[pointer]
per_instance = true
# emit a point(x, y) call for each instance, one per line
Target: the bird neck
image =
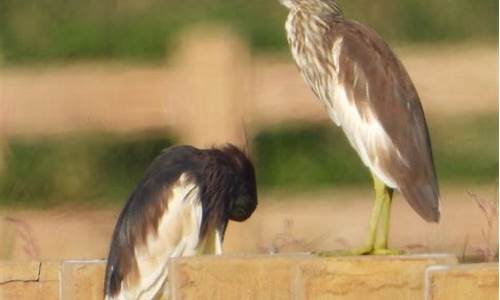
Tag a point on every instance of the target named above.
point(302, 26)
point(309, 38)
point(216, 189)
point(321, 8)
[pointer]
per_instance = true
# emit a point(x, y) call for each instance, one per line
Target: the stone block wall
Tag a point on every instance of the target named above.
point(294, 276)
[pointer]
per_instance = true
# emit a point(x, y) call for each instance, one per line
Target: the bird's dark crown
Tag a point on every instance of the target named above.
point(230, 178)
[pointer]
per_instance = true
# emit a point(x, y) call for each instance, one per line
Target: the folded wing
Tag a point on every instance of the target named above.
point(158, 222)
point(383, 117)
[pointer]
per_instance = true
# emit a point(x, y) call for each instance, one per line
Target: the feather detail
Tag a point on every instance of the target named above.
point(180, 208)
point(367, 91)
point(177, 234)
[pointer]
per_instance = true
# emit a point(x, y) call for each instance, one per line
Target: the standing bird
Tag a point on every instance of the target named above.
point(180, 208)
point(368, 93)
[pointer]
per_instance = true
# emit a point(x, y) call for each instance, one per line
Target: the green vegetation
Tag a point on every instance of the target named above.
point(314, 156)
point(467, 150)
point(307, 156)
point(57, 30)
point(104, 168)
point(86, 168)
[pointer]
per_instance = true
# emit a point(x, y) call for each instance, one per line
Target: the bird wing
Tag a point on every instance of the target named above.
point(169, 226)
point(379, 109)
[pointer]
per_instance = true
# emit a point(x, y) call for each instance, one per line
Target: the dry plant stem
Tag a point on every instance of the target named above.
point(489, 208)
point(25, 232)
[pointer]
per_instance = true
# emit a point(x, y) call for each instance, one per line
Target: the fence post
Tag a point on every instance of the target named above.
point(3, 121)
point(212, 84)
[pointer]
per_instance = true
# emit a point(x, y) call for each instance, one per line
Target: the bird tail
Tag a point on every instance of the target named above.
point(423, 197)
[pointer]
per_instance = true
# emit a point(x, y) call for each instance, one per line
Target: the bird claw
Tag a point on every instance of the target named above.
point(358, 252)
point(331, 253)
point(385, 251)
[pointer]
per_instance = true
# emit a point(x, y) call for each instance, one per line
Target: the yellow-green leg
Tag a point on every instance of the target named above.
point(378, 231)
point(381, 246)
point(384, 221)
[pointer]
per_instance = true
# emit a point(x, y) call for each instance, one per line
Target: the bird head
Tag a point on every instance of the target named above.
point(290, 4)
point(243, 195)
point(312, 6)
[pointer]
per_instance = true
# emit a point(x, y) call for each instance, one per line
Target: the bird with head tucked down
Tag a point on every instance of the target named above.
point(181, 207)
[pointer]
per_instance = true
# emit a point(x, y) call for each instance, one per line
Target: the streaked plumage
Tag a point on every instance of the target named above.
point(180, 208)
point(368, 93)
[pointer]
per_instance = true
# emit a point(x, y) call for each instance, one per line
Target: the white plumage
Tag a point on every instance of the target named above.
point(364, 132)
point(178, 235)
point(368, 93)
point(180, 208)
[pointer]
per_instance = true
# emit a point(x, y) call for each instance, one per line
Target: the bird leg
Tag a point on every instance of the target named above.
point(384, 220)
point(384, 226)
point(378, 208)
point(368, 248)
point(378, 232)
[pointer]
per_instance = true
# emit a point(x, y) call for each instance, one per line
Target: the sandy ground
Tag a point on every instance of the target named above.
point(283, 222)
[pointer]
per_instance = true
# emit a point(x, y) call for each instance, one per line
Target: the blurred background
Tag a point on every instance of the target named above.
point(91, 91)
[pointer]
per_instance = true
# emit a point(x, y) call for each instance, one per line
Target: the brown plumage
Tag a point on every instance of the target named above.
point(180, 208)
point(368, 93)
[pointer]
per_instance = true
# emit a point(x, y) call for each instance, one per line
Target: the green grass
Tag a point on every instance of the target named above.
point(104, 168)
point(86, 168)
point(315, 156)
point(308, 156)
point(57, 30)
point(467, 150)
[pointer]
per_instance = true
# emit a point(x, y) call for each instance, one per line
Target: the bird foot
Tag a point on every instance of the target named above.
point(359, 251)
point(386, 251)
point(347, 252)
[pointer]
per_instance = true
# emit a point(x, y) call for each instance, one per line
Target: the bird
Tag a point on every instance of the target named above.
point(368, 93)
point(181, 207)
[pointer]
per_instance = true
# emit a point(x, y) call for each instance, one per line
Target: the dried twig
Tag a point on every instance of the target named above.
point(489, 250)
point(25, 232)
point(286, 240)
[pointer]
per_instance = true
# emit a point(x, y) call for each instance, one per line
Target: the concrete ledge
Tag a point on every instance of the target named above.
point(301, 277)
point(469, 281)
point(50, 270)
point(376, 277)
point(29, 280)
point(294, 276)
point(19, 271)
point(82, 279)
point(234, 277)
